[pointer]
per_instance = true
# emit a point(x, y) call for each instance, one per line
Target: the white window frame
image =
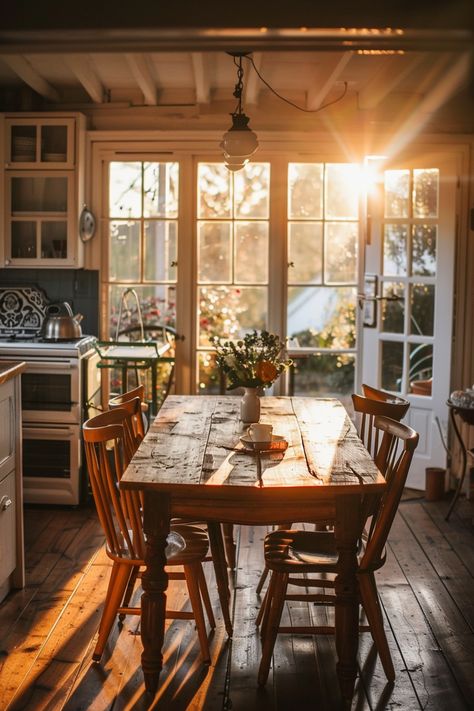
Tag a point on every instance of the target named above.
point(189, 149)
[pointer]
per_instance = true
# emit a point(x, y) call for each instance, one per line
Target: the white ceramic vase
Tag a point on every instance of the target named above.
point(250, 406)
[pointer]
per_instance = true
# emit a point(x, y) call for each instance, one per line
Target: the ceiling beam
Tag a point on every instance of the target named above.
point(393, 70)
point(23, 69)
point(140, 68)
point(85, 73)
point(70, 37)
point(325, 79)
point(202, 82)
point(252, 83)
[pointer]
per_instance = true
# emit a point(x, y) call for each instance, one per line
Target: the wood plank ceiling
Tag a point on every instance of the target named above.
point(372, 83)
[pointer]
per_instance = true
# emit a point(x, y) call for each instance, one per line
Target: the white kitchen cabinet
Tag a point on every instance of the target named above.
point(42, 190)
point(12, 572)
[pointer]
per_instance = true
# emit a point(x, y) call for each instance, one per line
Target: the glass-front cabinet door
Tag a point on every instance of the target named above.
point(34, 142)
point(38, 214)
point(43, 195)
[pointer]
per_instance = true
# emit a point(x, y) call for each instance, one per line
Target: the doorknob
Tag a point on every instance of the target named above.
point(5, 503)
point(392, 297)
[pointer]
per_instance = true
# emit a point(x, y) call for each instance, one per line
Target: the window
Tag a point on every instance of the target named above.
point(143, 240)
point(232, 257)
point(323, 229)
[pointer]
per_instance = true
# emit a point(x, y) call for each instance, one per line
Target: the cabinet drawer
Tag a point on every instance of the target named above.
point(7, 527)
point(7, 431)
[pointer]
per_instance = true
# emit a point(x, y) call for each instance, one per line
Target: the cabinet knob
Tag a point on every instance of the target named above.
point(5, 503)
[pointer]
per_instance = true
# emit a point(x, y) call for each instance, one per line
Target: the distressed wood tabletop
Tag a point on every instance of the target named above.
point(195, 441)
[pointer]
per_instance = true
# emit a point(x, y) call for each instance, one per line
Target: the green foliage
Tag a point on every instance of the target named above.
point(254, 361)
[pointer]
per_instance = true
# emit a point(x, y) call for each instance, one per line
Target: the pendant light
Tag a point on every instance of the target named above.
point(239, 143)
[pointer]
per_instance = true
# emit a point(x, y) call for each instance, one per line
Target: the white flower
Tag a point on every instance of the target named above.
point(230, 361)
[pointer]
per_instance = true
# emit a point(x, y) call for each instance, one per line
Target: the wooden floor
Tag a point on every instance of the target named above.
point(48, 629)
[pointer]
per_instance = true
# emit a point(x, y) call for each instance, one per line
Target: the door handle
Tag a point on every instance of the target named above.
point(5, 503)
point(394, 297)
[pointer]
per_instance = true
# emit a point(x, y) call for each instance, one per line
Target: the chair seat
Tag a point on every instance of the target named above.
point(297, 551)
point(301, 550)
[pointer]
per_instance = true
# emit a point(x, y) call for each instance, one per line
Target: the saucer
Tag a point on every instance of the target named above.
point(277, 444)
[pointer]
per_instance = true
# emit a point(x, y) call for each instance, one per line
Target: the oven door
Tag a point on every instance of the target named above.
point(50, 390)
point(51, 464)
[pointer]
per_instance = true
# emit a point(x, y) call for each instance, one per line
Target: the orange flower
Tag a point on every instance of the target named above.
point(266, 371)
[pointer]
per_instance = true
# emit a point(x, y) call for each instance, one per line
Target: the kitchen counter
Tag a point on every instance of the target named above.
point(10, 369)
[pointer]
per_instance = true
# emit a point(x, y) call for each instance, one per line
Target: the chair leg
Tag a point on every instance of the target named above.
point(220, 569)
point(267, 606)
point(229, 543)
point(261, 611)
point(261, 582)
point(371, 604)
point(206, 599)
point(129, 590)
point(275, 604)
point(193, 573)
point(118, 582)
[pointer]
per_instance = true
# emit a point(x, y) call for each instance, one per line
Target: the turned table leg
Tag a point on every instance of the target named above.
point(156, 525)
point(347, 532)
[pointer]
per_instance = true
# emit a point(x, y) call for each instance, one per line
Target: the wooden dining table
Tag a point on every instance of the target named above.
point(193, 464)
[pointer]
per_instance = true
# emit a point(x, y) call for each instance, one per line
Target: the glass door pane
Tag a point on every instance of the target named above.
point(323, 235)
point(409, 232)
point(39, 194)
point(23, 144)
point(142, 223)
point(233, 252)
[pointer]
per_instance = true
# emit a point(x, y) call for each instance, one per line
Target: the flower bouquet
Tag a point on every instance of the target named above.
point(253, 362)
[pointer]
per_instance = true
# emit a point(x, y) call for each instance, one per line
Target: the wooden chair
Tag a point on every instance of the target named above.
point(368, 409)
point(292, 552)
point(120, 514)
point(132, 402)
point(123, 417)
point(382, 395)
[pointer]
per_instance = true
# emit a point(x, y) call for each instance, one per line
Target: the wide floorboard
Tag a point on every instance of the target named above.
point(48, 630)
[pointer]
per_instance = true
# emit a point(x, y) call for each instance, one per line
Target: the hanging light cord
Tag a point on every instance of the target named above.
point(291, 103)
point(239, 86)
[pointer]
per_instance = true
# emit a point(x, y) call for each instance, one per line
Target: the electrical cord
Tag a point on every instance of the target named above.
point(291, 103)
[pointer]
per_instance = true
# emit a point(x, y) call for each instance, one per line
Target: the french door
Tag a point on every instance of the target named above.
point(274, 246)
point(408, 306)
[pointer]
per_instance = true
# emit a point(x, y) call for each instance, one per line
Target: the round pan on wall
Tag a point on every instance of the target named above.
point(86, 224)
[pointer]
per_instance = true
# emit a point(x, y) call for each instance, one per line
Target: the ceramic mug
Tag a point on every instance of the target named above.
point(260, 433)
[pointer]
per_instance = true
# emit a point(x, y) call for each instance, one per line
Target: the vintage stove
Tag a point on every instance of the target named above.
point(60, 389)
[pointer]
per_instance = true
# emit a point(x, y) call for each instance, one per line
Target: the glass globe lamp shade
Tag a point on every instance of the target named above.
point(234, 167)
point(239, 142)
